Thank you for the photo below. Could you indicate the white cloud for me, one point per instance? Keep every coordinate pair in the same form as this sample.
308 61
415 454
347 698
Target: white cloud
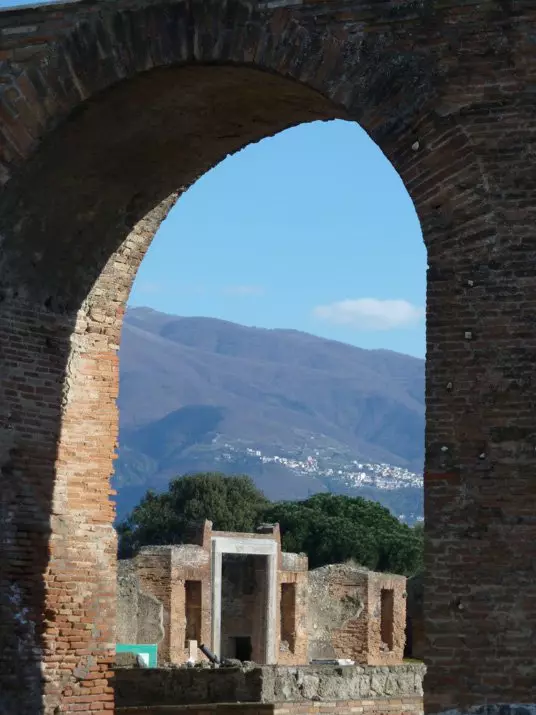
371 313
243 290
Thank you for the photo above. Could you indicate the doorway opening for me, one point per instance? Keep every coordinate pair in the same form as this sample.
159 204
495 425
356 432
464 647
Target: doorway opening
387 618
242 648
243 606
288 615
192 600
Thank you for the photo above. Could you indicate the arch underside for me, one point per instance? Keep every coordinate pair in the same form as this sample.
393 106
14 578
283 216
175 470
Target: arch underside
88 179
127 154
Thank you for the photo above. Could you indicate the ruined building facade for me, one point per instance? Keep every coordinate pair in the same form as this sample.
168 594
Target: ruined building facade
244 598
357 614
227 591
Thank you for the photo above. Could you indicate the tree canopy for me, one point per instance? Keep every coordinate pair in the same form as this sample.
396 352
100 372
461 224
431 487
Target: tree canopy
328 528
333 528
231 503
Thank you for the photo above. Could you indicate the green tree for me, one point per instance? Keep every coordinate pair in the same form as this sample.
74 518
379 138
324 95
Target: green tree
232 503
333 528
328 528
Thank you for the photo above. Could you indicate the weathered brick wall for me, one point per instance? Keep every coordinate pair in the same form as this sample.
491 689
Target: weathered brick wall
293 635
338 613
378 654
189 563
153 569
384 706
292 611
58 548
161 572
345 614
140 616
446 91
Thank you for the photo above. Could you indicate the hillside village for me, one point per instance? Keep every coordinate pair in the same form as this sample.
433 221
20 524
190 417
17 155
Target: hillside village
298 413
355 474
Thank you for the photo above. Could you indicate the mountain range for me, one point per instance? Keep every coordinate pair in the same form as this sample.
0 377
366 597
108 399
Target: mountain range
293 410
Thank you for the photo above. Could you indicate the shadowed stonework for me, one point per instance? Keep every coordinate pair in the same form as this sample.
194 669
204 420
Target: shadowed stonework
297 688
108 111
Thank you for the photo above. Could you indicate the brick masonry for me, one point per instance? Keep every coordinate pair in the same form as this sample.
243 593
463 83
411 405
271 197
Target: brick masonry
108 110
162 573
293 635
335 611
345 615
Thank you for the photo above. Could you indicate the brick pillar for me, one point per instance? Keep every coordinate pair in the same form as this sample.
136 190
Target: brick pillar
58 381
480 480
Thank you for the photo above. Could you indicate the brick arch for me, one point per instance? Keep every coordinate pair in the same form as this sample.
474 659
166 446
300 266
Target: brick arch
374 75
108 112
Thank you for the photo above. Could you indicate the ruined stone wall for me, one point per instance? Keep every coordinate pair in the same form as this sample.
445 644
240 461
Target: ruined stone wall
244 610
347 618
164 596
293 607
128 588
386 625
139 615
265 684
338 607
152 599
153 570
190 563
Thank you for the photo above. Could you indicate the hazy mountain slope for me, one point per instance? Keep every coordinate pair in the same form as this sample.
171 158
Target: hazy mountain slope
186 382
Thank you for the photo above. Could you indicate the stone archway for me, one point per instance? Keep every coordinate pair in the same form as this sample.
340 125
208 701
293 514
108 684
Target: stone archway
108 112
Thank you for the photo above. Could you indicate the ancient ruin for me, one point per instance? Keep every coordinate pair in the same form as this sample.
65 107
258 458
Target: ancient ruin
227 591
108 111
245 599
356 614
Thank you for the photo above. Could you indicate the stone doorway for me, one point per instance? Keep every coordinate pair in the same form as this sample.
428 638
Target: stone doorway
244 603
244 593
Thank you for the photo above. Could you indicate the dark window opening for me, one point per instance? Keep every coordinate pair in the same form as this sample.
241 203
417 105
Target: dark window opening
242 647
387 618
288 616
192 596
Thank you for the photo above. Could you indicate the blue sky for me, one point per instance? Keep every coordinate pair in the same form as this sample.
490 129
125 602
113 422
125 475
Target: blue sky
18 3
311 229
